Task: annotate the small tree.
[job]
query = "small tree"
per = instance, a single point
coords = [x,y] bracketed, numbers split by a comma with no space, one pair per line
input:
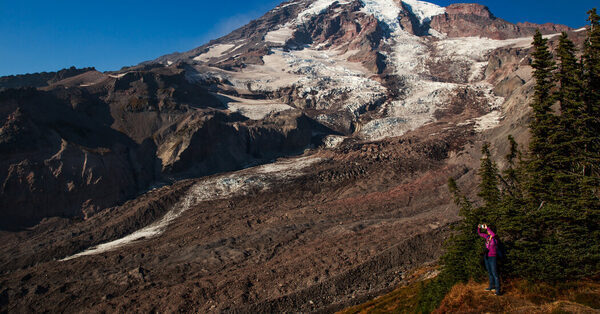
[488,187]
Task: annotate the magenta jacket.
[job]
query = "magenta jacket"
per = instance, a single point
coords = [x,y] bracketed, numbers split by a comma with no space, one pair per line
[490,245]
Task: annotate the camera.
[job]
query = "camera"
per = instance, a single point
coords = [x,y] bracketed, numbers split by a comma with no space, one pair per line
[482,227]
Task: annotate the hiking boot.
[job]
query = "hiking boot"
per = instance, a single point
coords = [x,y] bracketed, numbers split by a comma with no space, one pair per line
[498,292]
[490,289]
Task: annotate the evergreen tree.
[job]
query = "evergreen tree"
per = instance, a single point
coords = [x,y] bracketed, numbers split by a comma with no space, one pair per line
[549,205]
[569,139]
[512,177]
[591,59]
[461,261]
[590,198]
[552,234]
[513,214]
[539,170]
[488,187]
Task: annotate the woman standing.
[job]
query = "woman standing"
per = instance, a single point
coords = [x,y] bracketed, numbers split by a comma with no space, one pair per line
[490,257]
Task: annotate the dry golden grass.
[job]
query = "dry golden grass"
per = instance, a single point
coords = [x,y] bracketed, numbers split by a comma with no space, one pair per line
[402,300]
[519,297]
[523,297]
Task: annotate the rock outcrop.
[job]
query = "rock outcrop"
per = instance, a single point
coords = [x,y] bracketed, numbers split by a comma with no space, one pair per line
[475,20]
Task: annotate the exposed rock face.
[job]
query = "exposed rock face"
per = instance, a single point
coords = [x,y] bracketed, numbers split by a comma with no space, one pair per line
[74,150]
[59,159]
[475,20]
[475,9]
[546,28]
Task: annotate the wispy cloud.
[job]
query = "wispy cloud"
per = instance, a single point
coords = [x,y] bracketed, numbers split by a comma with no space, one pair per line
[226,26]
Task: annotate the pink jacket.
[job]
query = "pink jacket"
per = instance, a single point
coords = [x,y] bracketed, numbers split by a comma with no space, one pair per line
[490,245]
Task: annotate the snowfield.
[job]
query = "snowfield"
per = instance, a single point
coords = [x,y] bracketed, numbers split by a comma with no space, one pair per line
[214,52]
[325,80]
[253,109]
[489,121]
[221,187]
[424,11]
[280,36]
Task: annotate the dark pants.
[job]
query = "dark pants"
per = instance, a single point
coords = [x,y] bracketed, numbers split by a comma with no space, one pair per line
[492,268]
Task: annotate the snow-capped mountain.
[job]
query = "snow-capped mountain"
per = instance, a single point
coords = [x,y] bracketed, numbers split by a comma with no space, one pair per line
[297,164]
[372,68]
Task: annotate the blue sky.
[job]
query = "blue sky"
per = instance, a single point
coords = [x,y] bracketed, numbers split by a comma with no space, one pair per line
[38,35]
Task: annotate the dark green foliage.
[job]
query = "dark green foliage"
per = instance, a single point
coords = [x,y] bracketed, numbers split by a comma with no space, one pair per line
[540,175]
[591,59]
[488,187]
[591,81]
[591,164]
[463,250]
[570,139]
[549,218]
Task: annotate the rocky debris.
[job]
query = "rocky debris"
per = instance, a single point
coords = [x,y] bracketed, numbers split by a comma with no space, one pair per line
[57,238]
[350,225]
[469,9]
[507,86]
[194,149]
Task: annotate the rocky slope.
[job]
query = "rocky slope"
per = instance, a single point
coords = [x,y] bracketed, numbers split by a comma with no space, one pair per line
[381,100]
[95,140]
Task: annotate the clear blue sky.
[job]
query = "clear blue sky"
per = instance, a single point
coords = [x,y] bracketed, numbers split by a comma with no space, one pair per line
[48,35]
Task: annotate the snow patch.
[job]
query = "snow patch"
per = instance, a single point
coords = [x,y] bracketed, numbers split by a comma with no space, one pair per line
[285,32]
[220,187]
[386,11]
[489,121]
[254,109]
[120,75]
[333,141]
[424,11]
[280,36]
[550,36]
[214,52]
[281,6]
[320,77]
[317,7]
[475,48]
